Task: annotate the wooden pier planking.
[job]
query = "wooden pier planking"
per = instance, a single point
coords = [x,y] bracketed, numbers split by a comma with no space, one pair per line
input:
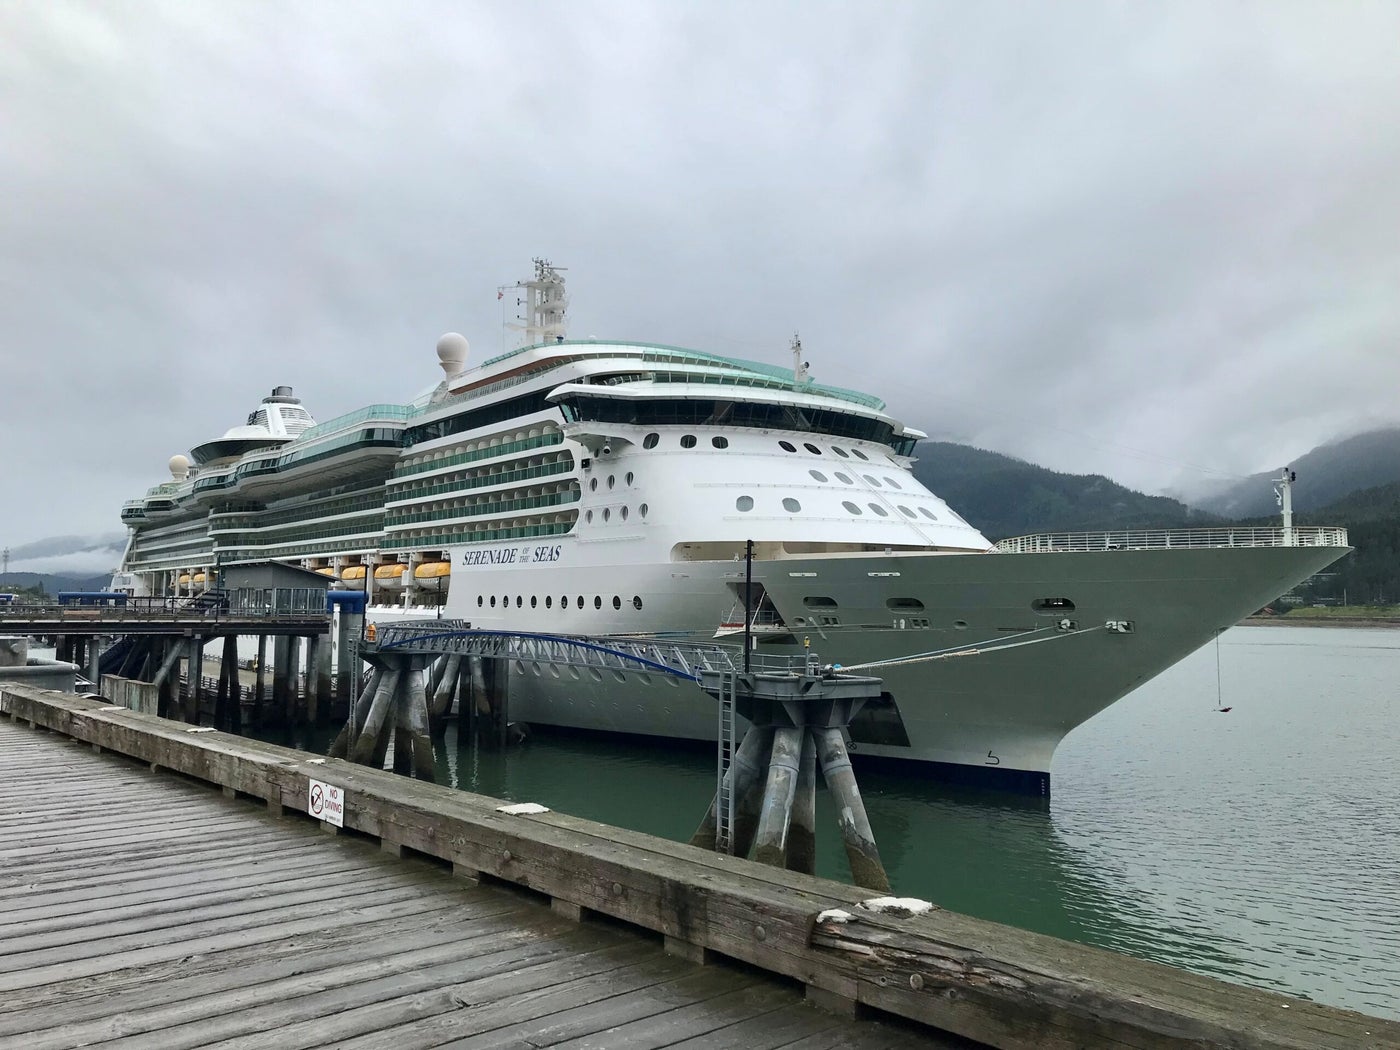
[140,909]
[993,983]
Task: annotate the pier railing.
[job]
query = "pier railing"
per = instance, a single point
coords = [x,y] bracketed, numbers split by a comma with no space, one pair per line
[1165,539]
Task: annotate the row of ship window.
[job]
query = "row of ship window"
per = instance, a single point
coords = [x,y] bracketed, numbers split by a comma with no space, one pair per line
[719,441]
[792,506]
[612,481]
[483,600]
[622,513]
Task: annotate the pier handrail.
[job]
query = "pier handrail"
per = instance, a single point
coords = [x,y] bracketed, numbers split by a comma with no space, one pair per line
[1171,539]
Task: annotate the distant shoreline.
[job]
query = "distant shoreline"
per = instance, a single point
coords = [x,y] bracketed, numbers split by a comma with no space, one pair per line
[1320,621]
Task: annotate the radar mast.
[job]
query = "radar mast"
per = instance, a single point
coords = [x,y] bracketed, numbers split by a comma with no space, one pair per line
[544,302]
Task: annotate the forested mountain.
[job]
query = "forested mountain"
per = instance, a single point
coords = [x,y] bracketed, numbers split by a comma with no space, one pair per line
[1370,575]
[1326,474]
[51,583]
[1002,496]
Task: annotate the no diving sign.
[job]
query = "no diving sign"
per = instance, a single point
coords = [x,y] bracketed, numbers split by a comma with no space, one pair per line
[326,802]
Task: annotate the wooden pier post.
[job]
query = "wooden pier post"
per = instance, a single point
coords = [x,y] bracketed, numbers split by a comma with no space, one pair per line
[281,659]
[320,696]
[866,867]
[260,688]
[802,835]
[771,840]
[294,711]
[194,679]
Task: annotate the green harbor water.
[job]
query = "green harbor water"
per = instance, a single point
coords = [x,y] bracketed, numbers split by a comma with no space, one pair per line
[1260,845]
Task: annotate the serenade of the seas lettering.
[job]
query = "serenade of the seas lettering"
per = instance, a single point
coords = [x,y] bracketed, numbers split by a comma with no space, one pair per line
[511,555]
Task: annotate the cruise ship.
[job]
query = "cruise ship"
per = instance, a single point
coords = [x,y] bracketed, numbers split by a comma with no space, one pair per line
[614,488]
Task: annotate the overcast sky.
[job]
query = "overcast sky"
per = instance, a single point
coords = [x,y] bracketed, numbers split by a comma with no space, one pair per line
[1159,242]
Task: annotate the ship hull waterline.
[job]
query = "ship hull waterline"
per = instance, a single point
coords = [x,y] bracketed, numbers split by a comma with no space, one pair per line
[991,718]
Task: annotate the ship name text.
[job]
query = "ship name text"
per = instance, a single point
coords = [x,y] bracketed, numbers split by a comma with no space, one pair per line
[512,555]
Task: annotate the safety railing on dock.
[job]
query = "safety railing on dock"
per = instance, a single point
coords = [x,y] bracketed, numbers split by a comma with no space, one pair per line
[683,659]
[1172,539]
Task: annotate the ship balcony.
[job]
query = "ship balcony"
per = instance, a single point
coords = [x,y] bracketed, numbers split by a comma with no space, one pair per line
[507,448]
[481,510]
[1174,539]
[506,477]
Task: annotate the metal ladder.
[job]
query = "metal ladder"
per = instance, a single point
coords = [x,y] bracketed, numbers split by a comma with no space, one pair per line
[724,795]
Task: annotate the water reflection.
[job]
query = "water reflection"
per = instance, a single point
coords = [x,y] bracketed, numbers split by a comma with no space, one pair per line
[1261,846]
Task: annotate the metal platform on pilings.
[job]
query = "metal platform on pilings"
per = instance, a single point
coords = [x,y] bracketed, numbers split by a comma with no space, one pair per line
[153,637]
[798,712]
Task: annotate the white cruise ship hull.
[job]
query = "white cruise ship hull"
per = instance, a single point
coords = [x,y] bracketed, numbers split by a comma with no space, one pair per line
[992,717]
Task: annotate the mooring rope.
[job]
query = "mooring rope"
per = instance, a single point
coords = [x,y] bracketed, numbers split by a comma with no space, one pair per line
[973,649]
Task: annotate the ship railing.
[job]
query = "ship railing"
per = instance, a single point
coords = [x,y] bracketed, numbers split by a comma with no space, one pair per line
[1174,539]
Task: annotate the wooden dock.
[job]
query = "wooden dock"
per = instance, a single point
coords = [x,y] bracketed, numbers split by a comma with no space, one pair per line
[140,908]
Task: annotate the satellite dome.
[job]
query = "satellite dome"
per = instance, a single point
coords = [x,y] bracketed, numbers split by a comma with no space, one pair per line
[179,467]
[452,352]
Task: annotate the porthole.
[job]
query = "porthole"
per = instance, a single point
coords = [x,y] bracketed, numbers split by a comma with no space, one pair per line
[597,601]
[961,625]
[549,601]
[623,513]
[573,673]
[588,517]
[879,510]
[493,601]
[636,601]
[860,455]
[534,601]
[817,474]
[871,480]
[892,483]
[595,674]
[642,510]
[611,481]
[744,503]
[505,601]
[791,505]
[520,667]
[851,507]
[905,511]
[719,442]
[534,666]
[629,477]
[564,602]
[580,601]
[687,441]
[811,448]
[480,601]
[651,440]
[840,451]
[845,479]
[928,514]
[620,676]
[607,513]
[787,446]
[592,484]
[617,602]
[519,602]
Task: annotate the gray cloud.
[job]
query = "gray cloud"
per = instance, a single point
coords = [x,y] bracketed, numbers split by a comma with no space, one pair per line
[1132,240]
